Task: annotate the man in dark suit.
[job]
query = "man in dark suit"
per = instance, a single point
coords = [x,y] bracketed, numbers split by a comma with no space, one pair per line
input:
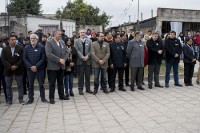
[173,49]
[34,57]
[155,54]
[56,54]
[2,76]
[189,61]
[129,35]
[83,48]
[12,59]
[117,62]
[126,69]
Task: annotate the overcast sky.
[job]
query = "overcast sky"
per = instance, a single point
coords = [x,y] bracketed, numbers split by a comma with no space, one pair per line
[120,9]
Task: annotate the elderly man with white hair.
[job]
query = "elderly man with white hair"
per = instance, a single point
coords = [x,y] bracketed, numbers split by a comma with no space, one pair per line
[34,58]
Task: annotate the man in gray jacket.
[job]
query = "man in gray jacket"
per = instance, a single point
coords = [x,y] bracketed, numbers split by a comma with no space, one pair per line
[56,56]
[135,54]
[83,48]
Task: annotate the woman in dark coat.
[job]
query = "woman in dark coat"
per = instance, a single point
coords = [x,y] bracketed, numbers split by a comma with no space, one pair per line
[69,70]
[189,61]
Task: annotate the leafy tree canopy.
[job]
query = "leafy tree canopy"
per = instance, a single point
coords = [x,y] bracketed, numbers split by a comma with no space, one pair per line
[83,13]
[24,7]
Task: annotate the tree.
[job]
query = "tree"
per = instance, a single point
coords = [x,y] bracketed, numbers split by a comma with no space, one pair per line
[19,7]
[83,14]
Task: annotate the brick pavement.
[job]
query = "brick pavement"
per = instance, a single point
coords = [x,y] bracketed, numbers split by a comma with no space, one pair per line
[172,110]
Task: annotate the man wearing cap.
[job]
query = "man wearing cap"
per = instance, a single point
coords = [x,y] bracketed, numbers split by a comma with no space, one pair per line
[64,37]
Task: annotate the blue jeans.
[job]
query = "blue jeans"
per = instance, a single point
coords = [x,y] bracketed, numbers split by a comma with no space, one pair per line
[175,72]
[40,78]
[103,78]
[68,81]
[9,80]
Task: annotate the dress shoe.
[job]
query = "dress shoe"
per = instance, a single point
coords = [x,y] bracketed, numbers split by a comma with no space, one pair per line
[167,85]
[66,94]
[198,82]
[44,101]
[52,101]
[150,86]
[71,93]
[158,85]
[9,102]
[141,88]
[105,91]
[89,91]
[179,85]
[21,101]
[127,85]
[28,102]
[112,90]
[122,89]
[80,92]
[190,84]
[132,89]
[186,84]
[95,92]
[64,98]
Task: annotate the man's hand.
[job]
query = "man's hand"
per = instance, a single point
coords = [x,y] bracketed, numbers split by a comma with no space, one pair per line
[13,68]
[112,66]
[101,62]
[34,69]
[160,51]
[125,64]
[176,55]
[62,61]
[71,64]
[86,57]
[193,60]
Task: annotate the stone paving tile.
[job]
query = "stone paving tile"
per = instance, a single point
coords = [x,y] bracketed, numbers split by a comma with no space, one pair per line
[160,110]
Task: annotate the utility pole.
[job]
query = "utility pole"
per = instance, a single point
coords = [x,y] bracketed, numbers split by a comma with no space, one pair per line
[8,15]
[152,13]
[138,21]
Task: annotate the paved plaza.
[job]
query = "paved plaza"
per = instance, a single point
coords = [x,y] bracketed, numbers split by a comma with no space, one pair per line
[160,110]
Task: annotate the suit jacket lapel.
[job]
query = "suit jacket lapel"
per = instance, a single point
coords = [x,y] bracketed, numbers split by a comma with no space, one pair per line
[55,43]
[80,43]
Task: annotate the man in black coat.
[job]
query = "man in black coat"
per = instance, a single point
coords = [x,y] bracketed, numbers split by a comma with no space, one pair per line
[155,53]
[117,62]
[2,76]
[12,59]
[173,49]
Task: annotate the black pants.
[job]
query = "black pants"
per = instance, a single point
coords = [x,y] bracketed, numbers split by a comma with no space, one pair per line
[25,81]
[188,72]
[153,72]
[127,74]
[120,72]
[84,72]
[54,75]
[3,83]
[109,71]
[136,74]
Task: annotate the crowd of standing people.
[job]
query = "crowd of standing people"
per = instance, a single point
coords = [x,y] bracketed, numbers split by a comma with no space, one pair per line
[105,55]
